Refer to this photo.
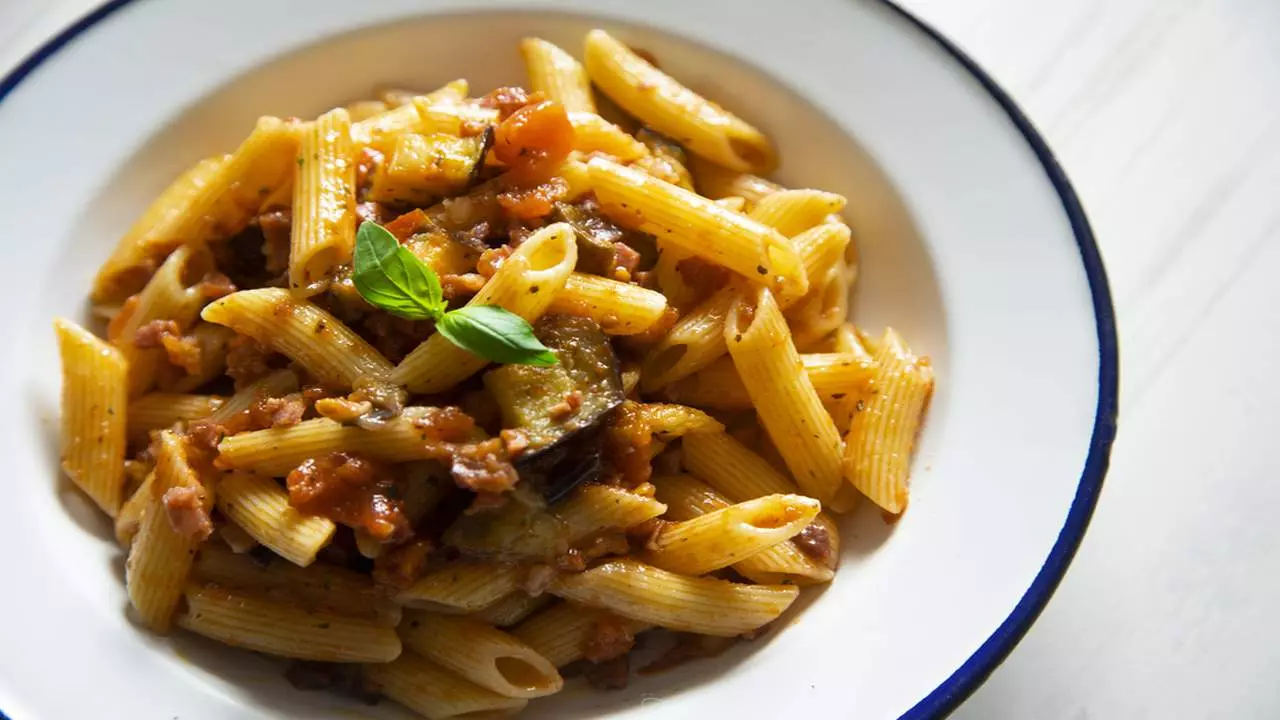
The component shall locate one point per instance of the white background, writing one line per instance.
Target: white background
(1166, 116)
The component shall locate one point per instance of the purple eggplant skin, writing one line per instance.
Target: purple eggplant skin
(564, 449)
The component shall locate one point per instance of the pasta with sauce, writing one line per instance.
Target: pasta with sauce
(531, 442)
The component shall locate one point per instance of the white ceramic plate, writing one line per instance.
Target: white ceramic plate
(973, 245)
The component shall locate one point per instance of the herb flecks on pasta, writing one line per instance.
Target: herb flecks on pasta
(436, 395)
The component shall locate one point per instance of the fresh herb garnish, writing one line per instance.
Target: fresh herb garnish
(391, 278)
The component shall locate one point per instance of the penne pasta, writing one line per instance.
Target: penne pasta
(94, 414)
(160, 556)
(318, 588)
(324, 218)
(462, 587)
(785, 401)
(673, 109)
(554, 73)
(725, 536)
(274, 452)
(707, 606)
(255, 623)
(434, 692)
(835, 376)
(260, 507)
(277, 384)
(592, 133)
(562, 632)
(312, 337)
(740, 474)
(698, 226)
(882, 433)
(619, 308)
(526, 285)
(481, 653)
(716, 181)
(792, 212)
(150, 239)
(512, 609)
(688, 498)
(156, 411)
(822, 311)
(668, 421)
(129, 519)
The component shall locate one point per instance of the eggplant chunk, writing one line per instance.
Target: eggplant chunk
(562, 409)
(422, 168)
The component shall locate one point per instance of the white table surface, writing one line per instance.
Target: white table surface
(1166, 116)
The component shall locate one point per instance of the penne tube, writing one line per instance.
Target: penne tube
(707, 606)
(716, 181)
(680, 293)
(557, 75)
(792, 212)
(845, 340)
(882, 433)
(562, 632)
(698, 226)
(315, 339)
(365, 109)
(94, 414)
(822, 311)
(462, 587)
(156, 411)
(835, 376)
(673, 109)
(480, 653)
(260, 507)
(170, 294)
(323, 232)
(725, 536)
(619, 308)
(736, 203)
(129, 519)
(740, 474)
(786, 403)
(233, 195)
(512, 609)
(150, 239)
(275, 452)
(318, 588)
(434, 692)
(526, 285)
(687, 498)
(592, 133)
(668, 421)
(252, 622)
(160, 556)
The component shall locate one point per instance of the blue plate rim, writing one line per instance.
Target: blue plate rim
(944, 699)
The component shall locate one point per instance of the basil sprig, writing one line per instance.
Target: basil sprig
(391, 278)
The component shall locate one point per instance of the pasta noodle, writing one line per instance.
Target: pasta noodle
(784, 398)
(317, 340)
(619, 308)
(482, 654)
(94, 414)
(554, 73)
(727, 535)
(671, 108)
(708, 606)
(882, 433)
(261, 508)
(835, 376)
(324, 219)
(436, 693)
(560, 633)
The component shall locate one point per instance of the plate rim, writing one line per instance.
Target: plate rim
(974, 671)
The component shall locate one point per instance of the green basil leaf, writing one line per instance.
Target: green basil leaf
(391, 278)
(495, 334)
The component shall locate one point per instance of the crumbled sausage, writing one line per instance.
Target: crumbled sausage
(815, 542)
(187, 514)
(610, 637)
(151, 335)
(357, 492)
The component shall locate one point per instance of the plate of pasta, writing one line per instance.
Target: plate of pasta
(456, 359)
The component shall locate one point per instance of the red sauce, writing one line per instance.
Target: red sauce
(351, 490)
